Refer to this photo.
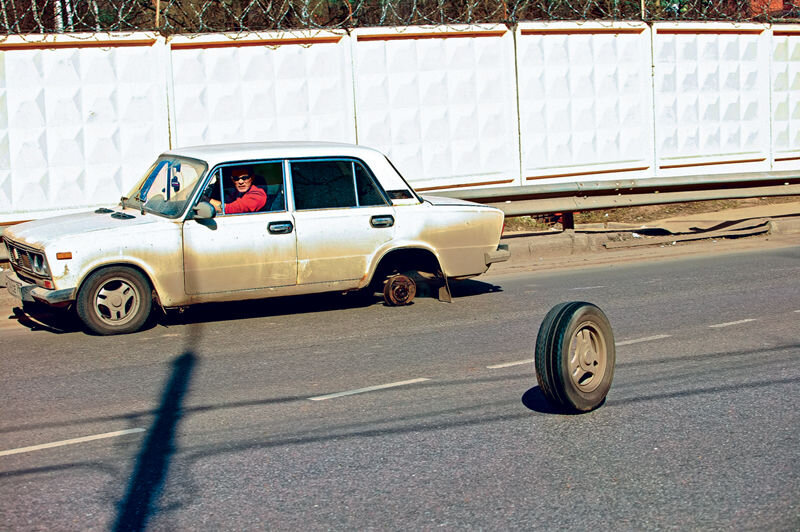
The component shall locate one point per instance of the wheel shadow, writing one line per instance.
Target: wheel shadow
(534, 399)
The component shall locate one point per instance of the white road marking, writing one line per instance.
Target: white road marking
(638, 340)
(797, 310)
(587, 287)
(728, 324)
(69, 442)
(365, 390)
(509, 364)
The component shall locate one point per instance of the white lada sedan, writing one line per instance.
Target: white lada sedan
(249, 221)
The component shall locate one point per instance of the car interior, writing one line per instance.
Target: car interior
(267, 176)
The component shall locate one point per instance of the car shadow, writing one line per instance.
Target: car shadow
(42, 318)
(62, 321)
(276, 306)
(301, 304)
(471, 287)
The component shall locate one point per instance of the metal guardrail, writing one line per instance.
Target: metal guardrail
(578, 196)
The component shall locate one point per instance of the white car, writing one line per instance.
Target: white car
(313, 217)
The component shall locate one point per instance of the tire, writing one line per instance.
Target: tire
(575, 356)
(399, 289)
(114, 300)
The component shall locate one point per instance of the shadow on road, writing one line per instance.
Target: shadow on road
(332, 301)
(152, 463)
(471, 287)
(38, 317)
(41, 318)
(535, 400)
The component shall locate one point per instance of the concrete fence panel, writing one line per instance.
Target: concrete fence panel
(585, 101)
(786, 97)
(80, 117)
(262, 87)
(712, 100)
(441, 102)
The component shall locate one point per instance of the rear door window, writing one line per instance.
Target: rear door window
(330, 184)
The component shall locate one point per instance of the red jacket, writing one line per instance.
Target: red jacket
(251, 201)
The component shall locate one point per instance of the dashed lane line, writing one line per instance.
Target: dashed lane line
(509, 364)
(626, 342)
(639, 340)
(73, 441)
(728, 324)
(368, 389)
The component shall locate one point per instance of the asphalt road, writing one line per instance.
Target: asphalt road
(245, 416)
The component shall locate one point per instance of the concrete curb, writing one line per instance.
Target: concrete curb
(533, 247)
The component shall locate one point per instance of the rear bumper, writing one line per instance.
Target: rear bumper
(501, 254)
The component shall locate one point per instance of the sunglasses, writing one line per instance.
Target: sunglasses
(240, 178)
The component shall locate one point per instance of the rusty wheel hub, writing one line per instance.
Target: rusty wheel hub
(399, 290)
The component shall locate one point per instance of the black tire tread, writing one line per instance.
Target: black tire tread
(83, 305)
(549, 363)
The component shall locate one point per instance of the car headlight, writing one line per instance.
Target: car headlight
(38, 264)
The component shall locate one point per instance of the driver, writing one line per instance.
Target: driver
(247, 198)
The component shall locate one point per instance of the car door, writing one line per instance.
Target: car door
(343, 219)
(244, 251)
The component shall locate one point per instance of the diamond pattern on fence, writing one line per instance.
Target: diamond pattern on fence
(78, 124)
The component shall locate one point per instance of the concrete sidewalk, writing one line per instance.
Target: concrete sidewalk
(594, 244)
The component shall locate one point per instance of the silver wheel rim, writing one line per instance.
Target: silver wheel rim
(588, 356)
(117, 302)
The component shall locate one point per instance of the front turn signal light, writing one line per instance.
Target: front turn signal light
(64, 255)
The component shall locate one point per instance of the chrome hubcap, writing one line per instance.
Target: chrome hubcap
(116, 302)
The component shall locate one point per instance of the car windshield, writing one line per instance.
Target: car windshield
(166, 187)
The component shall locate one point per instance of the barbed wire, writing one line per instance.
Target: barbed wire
(211, 16)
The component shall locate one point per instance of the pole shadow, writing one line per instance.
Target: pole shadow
(152, 463)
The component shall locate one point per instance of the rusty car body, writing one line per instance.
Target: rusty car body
(338, 217)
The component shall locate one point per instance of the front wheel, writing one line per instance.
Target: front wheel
(115, 300)
(575, 356)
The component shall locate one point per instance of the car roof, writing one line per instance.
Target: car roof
(246, 151)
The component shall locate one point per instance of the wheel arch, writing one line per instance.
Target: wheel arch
(412, 257)
(125, 264)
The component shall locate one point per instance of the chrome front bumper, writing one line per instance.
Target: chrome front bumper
(29, 292)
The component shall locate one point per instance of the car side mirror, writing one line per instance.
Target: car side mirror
(204, 211)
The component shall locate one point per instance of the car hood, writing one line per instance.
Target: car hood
(39, 233)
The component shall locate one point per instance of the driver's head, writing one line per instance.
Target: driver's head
(242, 177)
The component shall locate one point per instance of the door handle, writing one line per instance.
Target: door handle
(280, 228)
(386, 220)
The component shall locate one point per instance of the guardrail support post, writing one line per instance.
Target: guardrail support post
(568, 221)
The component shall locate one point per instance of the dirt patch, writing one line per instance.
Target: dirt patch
(643, 214)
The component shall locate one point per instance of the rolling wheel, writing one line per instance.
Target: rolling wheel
(575, 356)
(399, 289)
(114, 300)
